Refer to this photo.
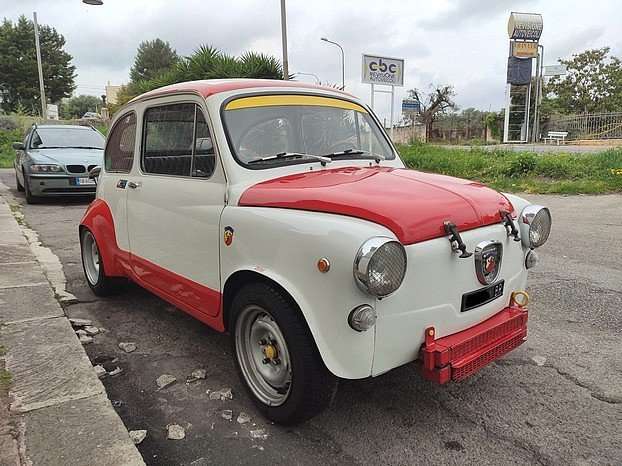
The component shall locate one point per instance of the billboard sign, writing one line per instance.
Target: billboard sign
(52, 112)
(410, 105)
(383, 70)
(555, 70)
(527, 26)
(524, 49)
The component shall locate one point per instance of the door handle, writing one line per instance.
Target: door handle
(133, 185)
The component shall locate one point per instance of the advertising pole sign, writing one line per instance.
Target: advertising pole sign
(524, 31)
(384, 71)
(555, 70)
(525, 26)
(524, 49)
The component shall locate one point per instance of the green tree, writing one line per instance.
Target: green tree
(593, 83)
(153, 58)
(19, 79)
(77, 106)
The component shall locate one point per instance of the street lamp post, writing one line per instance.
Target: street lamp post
(40, 68)
(343, 66)
(284, 40)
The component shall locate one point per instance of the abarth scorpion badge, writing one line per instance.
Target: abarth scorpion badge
(488, 261)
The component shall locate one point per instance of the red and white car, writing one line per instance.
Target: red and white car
(280, 212)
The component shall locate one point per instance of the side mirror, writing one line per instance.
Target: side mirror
(18, 146)
(94, 173)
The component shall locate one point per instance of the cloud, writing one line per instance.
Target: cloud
(459, 42)
(469, 11)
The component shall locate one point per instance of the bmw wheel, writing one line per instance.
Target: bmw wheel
(20, 188)
(30, 199)
(276, 356)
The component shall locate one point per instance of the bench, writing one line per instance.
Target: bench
(556, 136)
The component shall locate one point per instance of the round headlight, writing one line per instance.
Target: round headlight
(380, 266)
(535, 225)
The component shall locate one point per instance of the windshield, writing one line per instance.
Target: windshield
(54, 138)
(266, 126)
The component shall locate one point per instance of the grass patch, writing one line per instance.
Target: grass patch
(7, 153)
(5, 379)
(547, 173)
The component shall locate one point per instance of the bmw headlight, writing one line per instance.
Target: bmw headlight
(380, 266)
(535, 225)
(45, 168)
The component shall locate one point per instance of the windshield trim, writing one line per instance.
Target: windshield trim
(286, 163)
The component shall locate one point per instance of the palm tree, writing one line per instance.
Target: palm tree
(208, 62)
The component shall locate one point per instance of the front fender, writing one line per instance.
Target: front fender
(285, 245)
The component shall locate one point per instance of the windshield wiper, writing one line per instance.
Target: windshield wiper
(83, 147)
(367, 154)
(292, 155)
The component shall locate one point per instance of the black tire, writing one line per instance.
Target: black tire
(30, 199)
(312, 385)
(20, 188)
(104, 285)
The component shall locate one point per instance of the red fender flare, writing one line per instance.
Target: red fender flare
(98, 220)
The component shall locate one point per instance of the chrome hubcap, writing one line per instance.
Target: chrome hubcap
(263, 355)
(90, 256)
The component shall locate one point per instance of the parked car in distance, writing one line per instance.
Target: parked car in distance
(91, 116)
(280, 212)
(54, 160)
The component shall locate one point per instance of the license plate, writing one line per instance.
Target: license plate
(84, 181)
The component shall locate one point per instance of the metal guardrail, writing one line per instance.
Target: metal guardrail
(588, 126)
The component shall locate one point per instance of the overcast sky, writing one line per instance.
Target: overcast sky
(460, 42)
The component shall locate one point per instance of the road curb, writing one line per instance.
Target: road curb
(57, 402)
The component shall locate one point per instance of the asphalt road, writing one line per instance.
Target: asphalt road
(568, 411)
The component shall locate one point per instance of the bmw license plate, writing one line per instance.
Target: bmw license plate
(84, 181)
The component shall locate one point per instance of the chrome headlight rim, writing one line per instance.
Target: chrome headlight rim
(363, 259)
(526, 219)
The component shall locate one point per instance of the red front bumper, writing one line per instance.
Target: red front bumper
(457, 356)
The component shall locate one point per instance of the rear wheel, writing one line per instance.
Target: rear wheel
(99, 282)
(276, 356)
(20, 188)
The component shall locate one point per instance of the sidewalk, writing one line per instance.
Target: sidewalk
(59, 413)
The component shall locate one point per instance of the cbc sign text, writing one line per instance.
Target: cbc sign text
(383, 70)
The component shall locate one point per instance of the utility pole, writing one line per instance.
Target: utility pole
(284, 40)
(39, 66)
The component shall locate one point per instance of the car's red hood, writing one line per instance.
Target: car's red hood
(414, 205)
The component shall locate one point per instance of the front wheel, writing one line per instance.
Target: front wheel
(20, 188)
(276, 356)
(99, 282)
(30, 198)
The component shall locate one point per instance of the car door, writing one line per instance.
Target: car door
(174, 205)
(118, 164)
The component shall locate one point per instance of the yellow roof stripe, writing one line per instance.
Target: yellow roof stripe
(291, 99)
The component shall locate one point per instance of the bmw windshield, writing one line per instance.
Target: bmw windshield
(275, 130)
(59, 138)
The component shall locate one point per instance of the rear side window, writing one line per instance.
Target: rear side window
(119, 154)
(177, 141)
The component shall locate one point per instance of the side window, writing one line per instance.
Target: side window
(204, 157)
(119, 153)
(176, 141)
(35, 141)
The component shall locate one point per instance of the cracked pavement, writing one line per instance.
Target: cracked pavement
(567, 411)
